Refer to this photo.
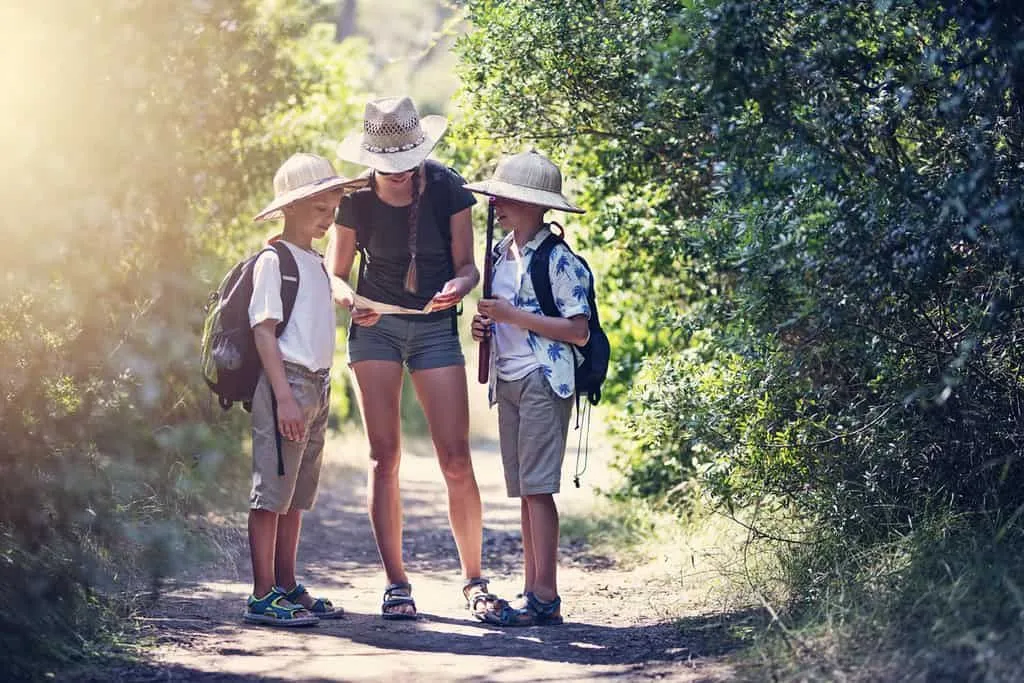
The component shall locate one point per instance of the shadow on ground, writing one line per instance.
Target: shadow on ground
(200, 615)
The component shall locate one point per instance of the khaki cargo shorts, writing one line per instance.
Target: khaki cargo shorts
(533, 422)
(296, 488)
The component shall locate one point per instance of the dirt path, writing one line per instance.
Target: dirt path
(616, 626)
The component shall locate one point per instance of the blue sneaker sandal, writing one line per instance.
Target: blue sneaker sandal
(273, 609)
(321, 607)
(544, 613)
(394, 595)
(534, 612)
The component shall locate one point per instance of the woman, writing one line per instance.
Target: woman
(413, 230)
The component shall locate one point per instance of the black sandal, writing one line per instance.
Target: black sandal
(394, 595)
(480, 602)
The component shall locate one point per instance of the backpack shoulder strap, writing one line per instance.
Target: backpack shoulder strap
(361, 212)
(540, 275)
(438, 193)
(289, 282)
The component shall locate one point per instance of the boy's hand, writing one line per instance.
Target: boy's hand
(364, 317)
(345, 300)
(290, 420)
(451, 294)
(498, 310)
(343, 294)
(481, 327)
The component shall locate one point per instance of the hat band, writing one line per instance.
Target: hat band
(390, 150)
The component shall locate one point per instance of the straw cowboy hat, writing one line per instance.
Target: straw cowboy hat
(394, 137)
(302, 176)
(528, 177)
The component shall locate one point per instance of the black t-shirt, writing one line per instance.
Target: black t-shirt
(387, 236)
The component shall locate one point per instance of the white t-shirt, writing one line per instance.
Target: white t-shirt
(308, 339)
(515, 358)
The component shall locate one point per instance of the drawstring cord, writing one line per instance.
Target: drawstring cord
(582, 445)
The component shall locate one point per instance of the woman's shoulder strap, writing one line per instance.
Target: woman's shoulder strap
(361, 200)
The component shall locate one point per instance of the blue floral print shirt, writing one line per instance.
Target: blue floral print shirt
(570, 282)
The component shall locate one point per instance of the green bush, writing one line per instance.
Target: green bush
(812, 213)
(143, 134)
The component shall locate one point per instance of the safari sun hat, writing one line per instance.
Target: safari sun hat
(394, 137)
(528, 177)
(301, 176)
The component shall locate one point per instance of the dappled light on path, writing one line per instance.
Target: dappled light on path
(612, 630)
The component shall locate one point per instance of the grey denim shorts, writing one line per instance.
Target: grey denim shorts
(420, 344)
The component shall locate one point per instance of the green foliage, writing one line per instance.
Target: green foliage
(812, 213)
(144, 135)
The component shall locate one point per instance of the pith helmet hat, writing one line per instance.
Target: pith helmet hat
(301, 176)
(528, 177)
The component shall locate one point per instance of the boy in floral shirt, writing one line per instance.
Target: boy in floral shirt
(533, 364)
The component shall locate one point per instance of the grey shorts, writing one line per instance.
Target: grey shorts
(533, 422)
(420, 344)
(296, 488)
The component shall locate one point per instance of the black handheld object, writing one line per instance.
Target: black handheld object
(483, 368)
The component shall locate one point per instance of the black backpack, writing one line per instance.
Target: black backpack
(231, 365)
(590, 375)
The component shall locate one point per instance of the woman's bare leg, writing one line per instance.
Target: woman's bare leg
(380, 391)
(443, 394)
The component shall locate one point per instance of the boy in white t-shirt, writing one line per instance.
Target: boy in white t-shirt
(290, 406)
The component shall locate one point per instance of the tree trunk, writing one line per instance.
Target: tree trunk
(345, 25)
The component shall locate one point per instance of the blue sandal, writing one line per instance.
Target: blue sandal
(394, 595)
(274, 609)
(535, 612)
(322, 607)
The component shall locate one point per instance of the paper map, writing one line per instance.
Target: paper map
(363, 303)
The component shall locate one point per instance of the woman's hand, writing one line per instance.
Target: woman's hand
(451, 294)
(498, 310)
(364, 317)
(481, 327)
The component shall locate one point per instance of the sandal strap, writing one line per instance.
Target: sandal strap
(319, 604)
(544, 609)
(294, 594)
(270, 605)
(478, 581)
(474, 597)
(397, 594)
(400, 588)
(400, 600)
(322, 605)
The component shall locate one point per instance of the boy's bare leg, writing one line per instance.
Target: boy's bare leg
(380, 391)
(289, 526)
(544, 535)
(262, 542)
(443, 394)
(529, 561)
